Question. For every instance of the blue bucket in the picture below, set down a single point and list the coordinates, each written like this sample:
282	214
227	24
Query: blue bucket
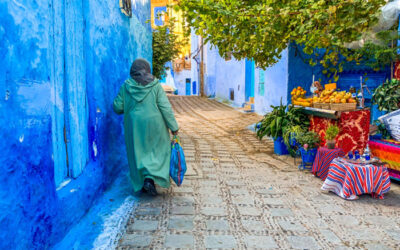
292	140
308	156
280	147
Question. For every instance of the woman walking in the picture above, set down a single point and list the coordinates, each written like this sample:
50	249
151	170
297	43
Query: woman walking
147	117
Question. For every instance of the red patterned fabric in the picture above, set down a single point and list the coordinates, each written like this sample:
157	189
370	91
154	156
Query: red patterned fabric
354	129
397	71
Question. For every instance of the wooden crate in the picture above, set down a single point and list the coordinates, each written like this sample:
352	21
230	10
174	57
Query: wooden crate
343	106
317	105
326	106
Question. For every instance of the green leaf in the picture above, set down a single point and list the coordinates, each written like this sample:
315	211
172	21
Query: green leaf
261	30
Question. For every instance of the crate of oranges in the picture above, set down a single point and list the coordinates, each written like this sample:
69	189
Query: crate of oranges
337	100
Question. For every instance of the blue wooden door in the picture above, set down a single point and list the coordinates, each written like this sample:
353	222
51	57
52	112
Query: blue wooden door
194	88
188	86
249	80
68	78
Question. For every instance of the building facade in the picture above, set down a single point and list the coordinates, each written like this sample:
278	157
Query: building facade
62	64
241	82
185	79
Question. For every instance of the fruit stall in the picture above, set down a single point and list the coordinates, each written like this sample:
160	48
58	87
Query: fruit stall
331	107
329	124
330	131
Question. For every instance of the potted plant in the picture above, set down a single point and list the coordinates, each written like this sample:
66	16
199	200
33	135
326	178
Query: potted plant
308	142
379	131
289	137
275	123
272	125
330	135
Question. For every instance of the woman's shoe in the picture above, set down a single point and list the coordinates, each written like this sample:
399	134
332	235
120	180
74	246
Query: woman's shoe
150	187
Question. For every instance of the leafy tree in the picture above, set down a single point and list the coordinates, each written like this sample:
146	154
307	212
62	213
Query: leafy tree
382	53
166	47
261	30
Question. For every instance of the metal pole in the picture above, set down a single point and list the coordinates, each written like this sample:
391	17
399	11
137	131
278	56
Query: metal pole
202	69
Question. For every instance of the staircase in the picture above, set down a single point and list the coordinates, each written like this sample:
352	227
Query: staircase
249	106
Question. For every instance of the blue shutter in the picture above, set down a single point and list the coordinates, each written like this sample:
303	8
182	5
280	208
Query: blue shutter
75	71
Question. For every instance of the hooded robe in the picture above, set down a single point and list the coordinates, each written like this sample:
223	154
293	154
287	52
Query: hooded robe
147	117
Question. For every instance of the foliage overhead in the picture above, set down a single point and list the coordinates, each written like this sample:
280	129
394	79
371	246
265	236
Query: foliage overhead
261	30
166	47
382	53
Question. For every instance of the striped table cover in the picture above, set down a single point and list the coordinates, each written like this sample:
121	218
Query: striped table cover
323	159
349	180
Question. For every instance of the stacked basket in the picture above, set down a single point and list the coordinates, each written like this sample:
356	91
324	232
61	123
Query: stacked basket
336	106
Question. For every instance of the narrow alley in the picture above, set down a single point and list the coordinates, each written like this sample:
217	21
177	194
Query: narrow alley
237	194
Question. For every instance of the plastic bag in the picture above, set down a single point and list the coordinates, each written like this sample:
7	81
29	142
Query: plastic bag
392	123
177	167
389	14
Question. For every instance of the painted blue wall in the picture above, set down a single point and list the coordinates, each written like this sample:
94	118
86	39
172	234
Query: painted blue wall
223	75
180	80
231	74
37	213
300	72
275	85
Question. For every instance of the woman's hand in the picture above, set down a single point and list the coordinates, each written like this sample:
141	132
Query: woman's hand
175	132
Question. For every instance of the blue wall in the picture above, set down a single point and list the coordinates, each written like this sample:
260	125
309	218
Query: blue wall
300	72
275	85
35	77
223	75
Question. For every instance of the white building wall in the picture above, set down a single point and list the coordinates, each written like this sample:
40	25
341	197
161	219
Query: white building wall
231	75
222	75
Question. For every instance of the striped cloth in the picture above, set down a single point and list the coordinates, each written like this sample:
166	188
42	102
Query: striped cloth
323	159
386	151
349	180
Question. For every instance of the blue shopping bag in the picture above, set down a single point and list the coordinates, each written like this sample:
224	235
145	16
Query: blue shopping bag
177	167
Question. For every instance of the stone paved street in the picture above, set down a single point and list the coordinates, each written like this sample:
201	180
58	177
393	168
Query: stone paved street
238	195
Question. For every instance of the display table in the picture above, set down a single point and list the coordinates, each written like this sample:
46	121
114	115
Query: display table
349	180
323	159
388	152
354	128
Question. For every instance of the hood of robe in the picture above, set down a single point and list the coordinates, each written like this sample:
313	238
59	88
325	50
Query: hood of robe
138	91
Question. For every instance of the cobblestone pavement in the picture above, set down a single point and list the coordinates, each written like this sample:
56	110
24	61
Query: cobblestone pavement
238	195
